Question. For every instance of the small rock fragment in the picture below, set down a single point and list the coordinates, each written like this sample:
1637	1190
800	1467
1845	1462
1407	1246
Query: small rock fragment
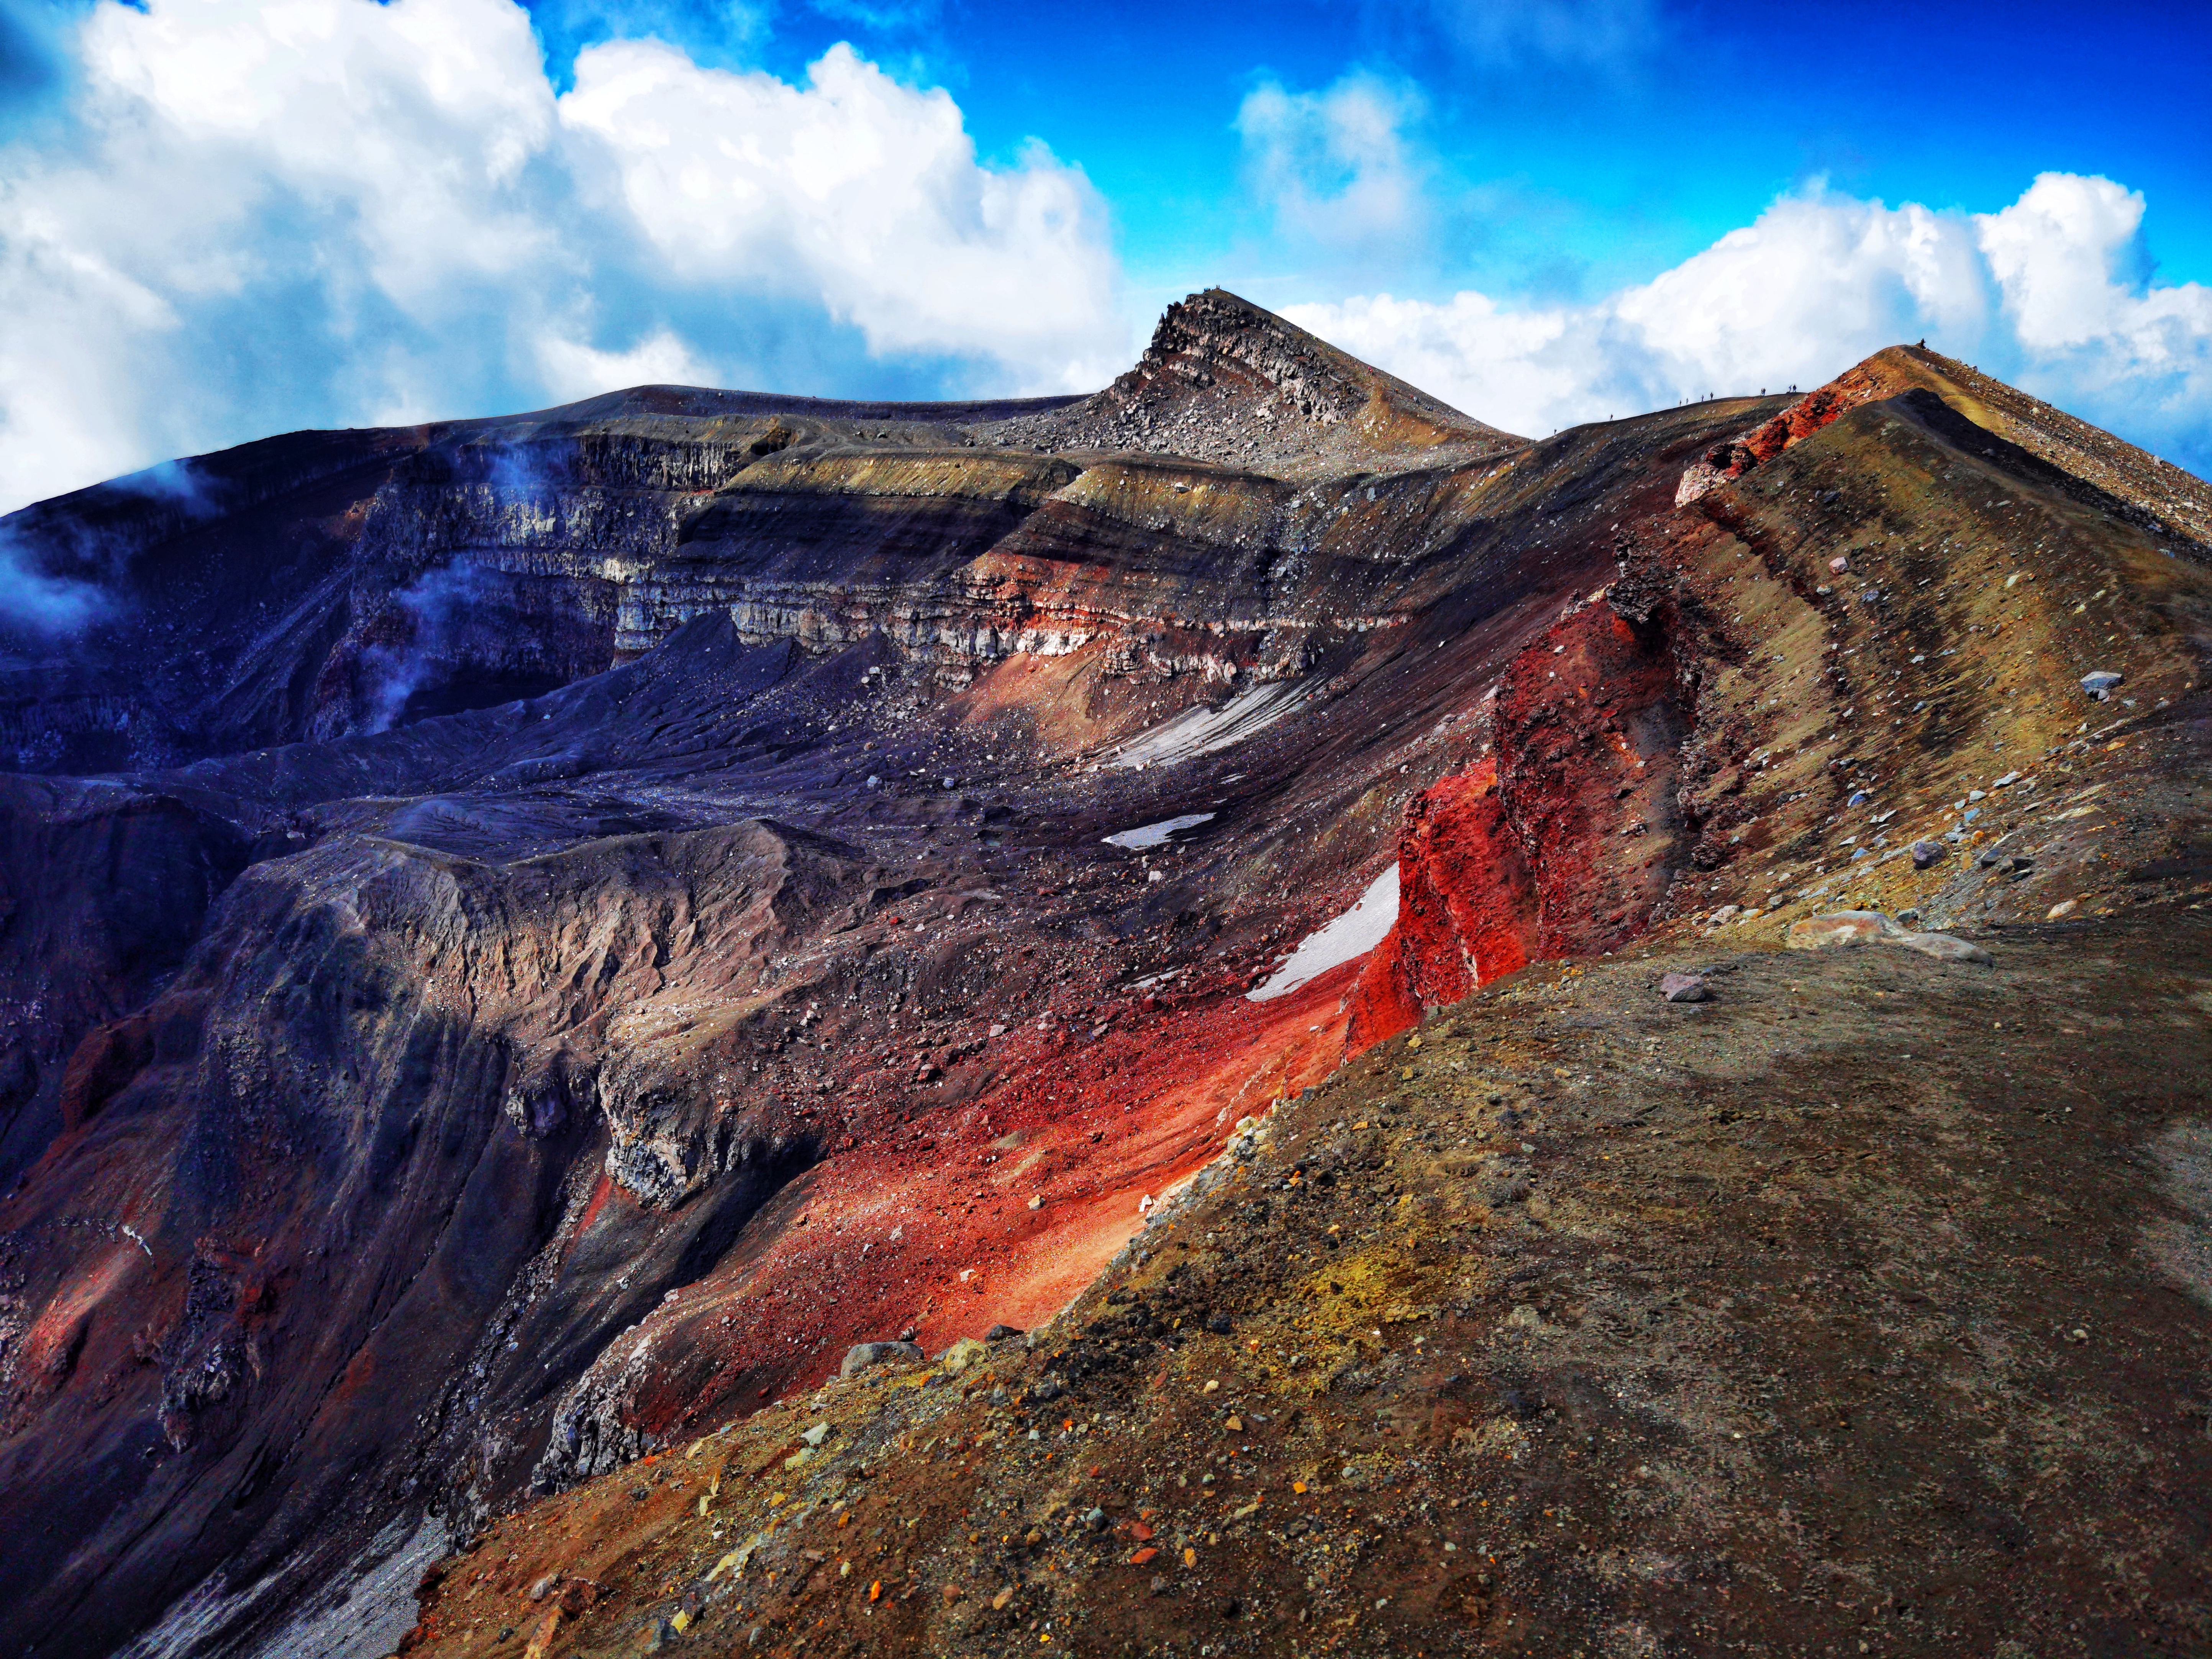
2063	910
541	1638
1001	1334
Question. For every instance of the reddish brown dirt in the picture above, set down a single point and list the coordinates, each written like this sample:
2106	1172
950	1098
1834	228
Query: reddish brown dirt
945	1245
1563	844
1466	907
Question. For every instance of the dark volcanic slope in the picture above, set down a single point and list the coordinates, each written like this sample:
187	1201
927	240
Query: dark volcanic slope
595	913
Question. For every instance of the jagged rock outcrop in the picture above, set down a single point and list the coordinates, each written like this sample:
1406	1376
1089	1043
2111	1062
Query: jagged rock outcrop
1227	382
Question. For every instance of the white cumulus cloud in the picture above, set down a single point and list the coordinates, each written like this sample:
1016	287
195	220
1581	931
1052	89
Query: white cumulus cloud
2048	292
264	214
1335	165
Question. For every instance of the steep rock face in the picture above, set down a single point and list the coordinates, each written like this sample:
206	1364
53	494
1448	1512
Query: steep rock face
856	940
1468	907
1566	844
381	1055
103	891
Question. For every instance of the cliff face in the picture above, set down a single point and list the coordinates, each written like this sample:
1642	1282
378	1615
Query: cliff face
597	912
324	585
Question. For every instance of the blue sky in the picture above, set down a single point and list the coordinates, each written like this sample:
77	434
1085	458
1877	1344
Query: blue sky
221	218
1587	145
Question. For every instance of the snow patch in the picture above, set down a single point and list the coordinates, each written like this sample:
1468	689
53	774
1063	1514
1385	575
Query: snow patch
1202	731
1354	933
1155	835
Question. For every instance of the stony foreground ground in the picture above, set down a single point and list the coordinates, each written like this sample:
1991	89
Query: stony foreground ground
1865	1307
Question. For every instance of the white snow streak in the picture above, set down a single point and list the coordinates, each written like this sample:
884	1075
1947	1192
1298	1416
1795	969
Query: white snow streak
1354	933
1155	835
1202	731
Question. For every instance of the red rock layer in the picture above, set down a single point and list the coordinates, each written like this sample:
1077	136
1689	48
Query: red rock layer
1467	907
1563	845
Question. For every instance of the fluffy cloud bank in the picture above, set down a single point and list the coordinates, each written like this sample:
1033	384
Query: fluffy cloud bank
271	213
2047	292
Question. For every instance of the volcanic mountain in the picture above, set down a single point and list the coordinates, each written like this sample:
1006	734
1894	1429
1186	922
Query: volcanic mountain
551	963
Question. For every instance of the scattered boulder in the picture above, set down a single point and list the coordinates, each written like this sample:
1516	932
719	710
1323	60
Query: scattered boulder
1925	852
961	1354
1838	927
1684	988
1001	1334
862	1355
2101	684
1944	947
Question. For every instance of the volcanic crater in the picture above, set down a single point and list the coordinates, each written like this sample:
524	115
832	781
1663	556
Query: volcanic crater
678	1022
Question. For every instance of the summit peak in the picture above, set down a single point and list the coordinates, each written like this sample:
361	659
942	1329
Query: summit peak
1225	380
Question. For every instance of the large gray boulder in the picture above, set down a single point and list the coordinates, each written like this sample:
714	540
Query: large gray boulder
861	1355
